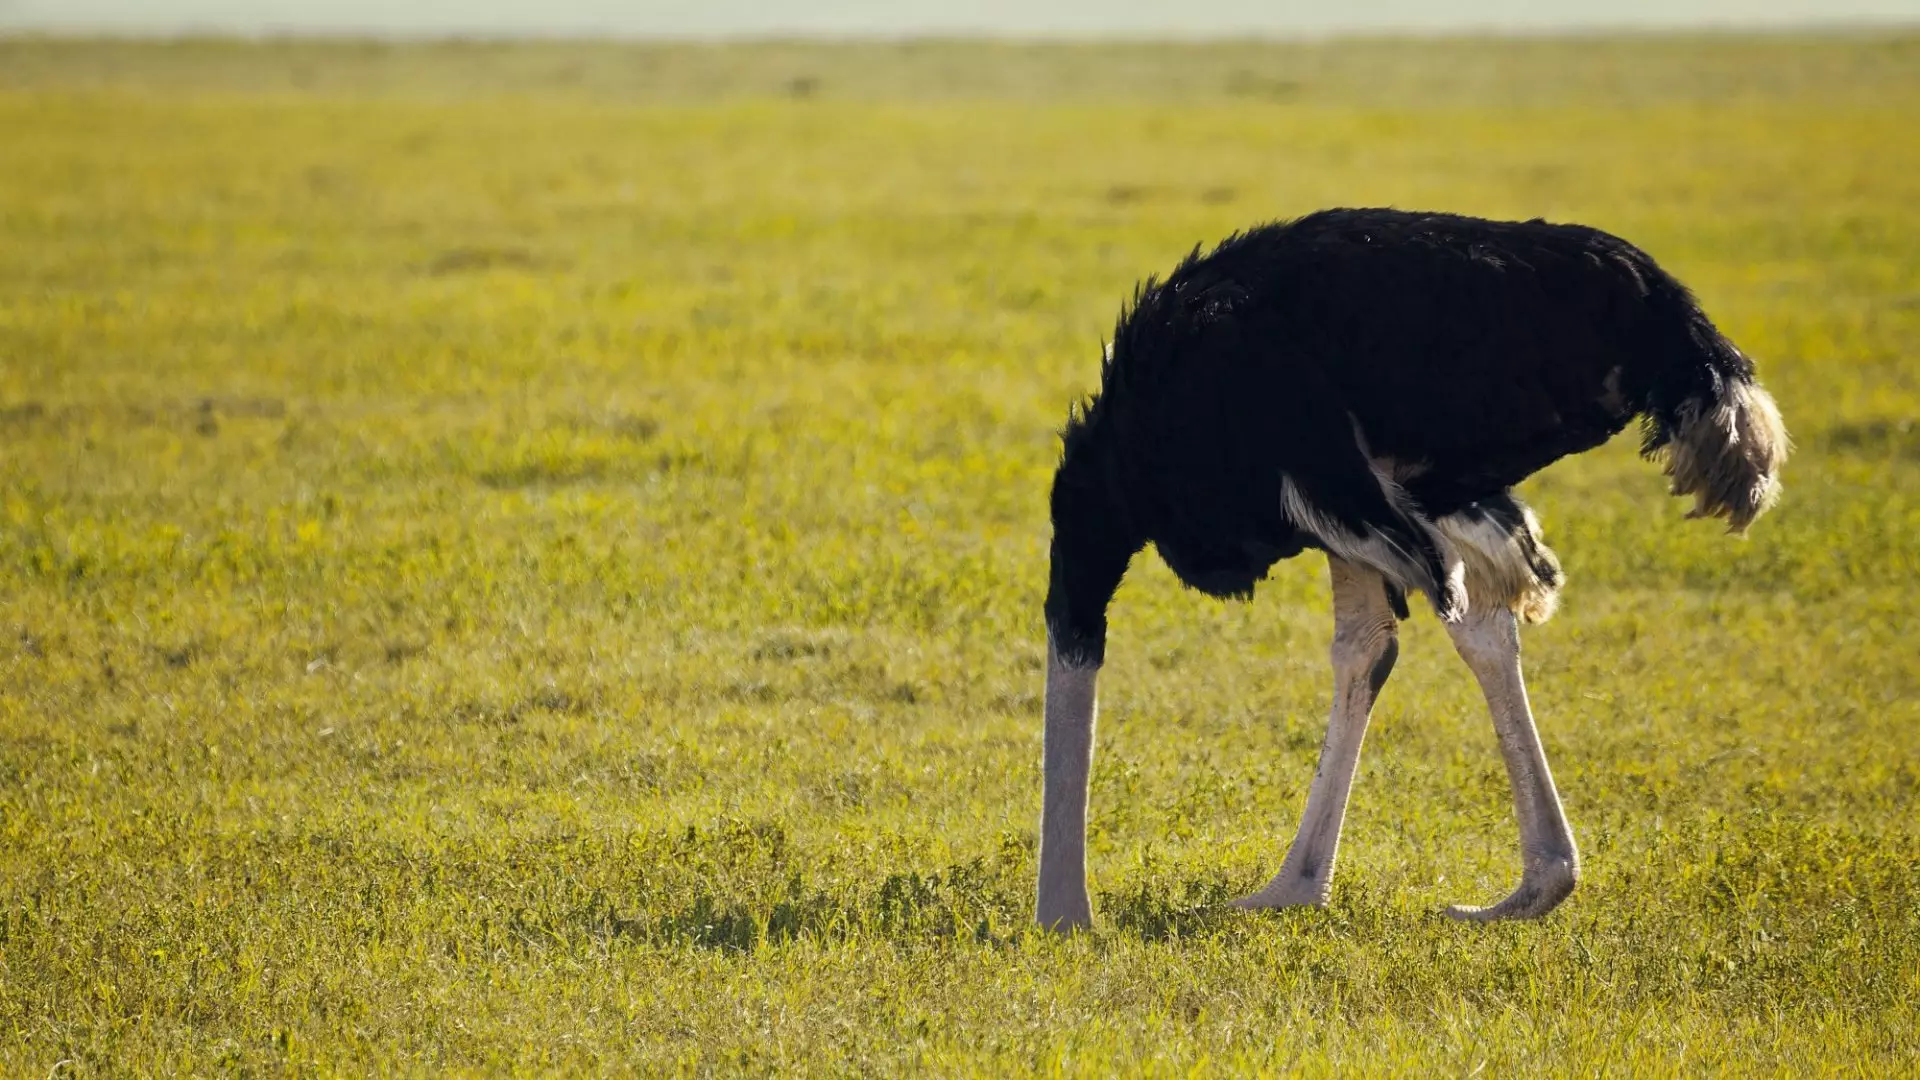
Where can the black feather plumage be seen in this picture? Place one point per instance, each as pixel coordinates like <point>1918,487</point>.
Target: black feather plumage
<point>1462,354</point>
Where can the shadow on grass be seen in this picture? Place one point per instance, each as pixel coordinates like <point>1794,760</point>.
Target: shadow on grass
<point>984,900</point>
<point>966,900</point>
<point>1165,909</point>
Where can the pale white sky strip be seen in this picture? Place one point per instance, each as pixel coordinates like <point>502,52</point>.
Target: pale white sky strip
<point>703,18</point>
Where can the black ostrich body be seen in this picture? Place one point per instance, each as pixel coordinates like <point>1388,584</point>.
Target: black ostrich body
<point>1470,354</point>
<point>1372,383</point>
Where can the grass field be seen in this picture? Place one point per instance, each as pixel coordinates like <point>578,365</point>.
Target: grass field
<point>528,558</point>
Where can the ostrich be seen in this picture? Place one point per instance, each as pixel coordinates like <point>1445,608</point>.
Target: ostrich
<point>1372,383</point>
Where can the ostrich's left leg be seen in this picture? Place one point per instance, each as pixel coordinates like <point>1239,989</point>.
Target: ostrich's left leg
<point>1488,639</point>
<point>1365,644</point>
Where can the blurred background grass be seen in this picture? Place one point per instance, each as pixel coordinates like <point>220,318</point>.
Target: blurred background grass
<point>526,556</point>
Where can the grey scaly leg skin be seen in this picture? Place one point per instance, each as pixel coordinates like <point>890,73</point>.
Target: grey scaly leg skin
<point>1489,641</point>
<point>1365,644</point>
<point>1066,763</point>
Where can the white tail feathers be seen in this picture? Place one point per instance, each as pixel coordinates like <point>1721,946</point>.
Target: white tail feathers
<point>1728,455</point>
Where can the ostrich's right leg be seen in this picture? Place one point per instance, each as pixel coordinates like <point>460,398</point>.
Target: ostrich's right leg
<point>1365,644</point>
<point>1488,639</point>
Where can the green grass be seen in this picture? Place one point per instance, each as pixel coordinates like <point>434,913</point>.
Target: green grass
<point>528,558</point>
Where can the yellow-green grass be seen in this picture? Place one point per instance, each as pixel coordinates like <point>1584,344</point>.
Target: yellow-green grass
<point>528,557</point>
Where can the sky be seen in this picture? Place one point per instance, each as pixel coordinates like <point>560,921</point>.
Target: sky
<point>1027,18</point>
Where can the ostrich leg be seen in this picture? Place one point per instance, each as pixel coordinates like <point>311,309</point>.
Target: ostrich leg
<point>1066,762</point>
<point>1489,641</point>
<point>1365,644</point>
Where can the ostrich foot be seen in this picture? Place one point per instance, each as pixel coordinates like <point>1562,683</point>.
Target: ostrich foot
<point>1288,889</point>
<point>1542,886</point>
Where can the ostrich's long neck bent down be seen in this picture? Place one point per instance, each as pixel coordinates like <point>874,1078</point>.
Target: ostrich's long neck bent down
<point>1091,549</point>
<point>1067,761</point>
